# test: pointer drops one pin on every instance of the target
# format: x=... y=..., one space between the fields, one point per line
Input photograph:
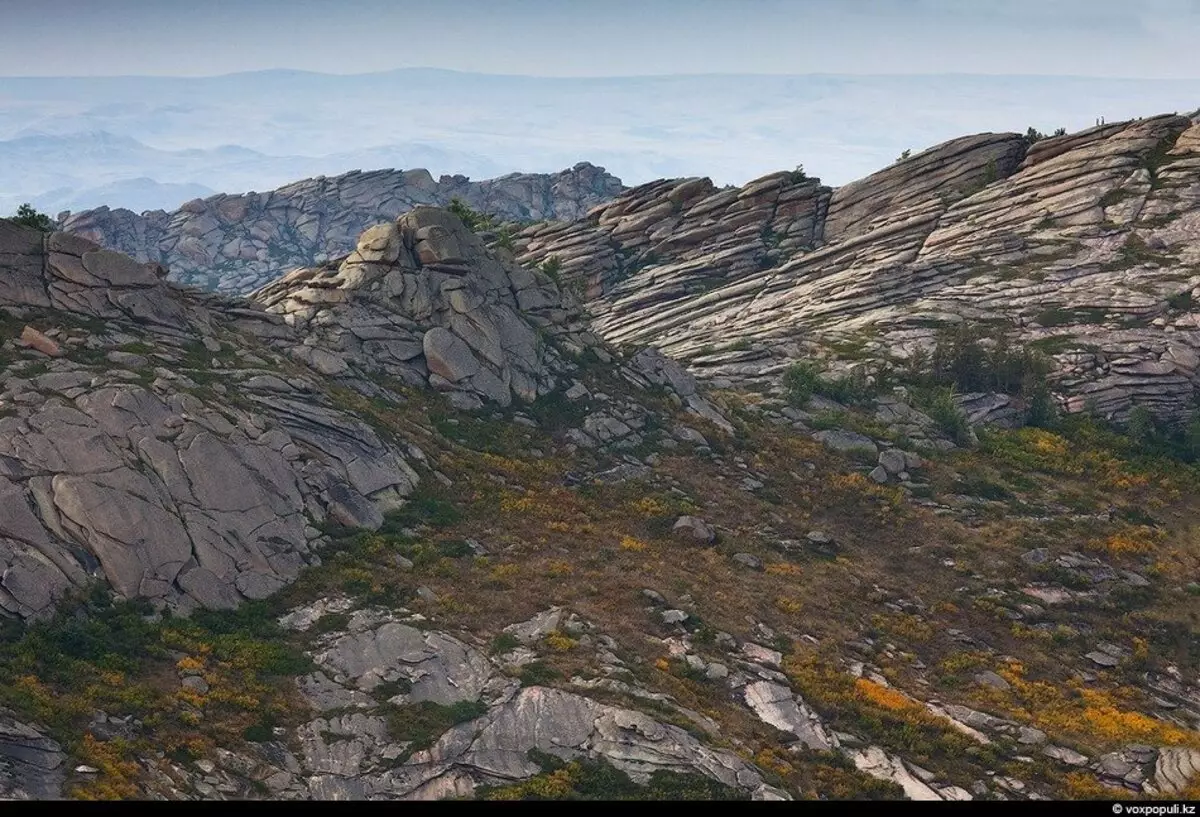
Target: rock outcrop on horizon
x=237 y=242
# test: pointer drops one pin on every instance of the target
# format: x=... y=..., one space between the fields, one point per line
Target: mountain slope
x=435 y=537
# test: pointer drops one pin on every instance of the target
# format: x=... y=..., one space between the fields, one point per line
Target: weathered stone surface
x=538 y=627
x=567 y=725
x=1065 y=755
x=440 y=668
x=1176 y=768
x=448 y=355
x=36 y=340
x=879 y=764
x=168 y=491
x=693 y=529
x=443 y=310
x=847 y=441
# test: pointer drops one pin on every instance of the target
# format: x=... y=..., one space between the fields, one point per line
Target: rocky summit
x=777 y=492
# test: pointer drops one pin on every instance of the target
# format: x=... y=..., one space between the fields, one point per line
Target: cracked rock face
x=235 y=243
x=779 y=706
x=423 y=301
x=32 y=766
x=1087 y=242
x=437 y=667
x=1176 y=768
x=170 y=489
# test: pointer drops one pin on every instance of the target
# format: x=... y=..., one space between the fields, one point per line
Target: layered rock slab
x=168 y=488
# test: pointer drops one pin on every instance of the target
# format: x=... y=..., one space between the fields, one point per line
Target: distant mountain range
x=71 y=143
x=90 y=169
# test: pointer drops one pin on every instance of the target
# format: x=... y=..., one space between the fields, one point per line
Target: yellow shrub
x=784 y=569
x=960 y=662
x=632 y=544
x=507 y=571
x=789 y=605
x=561 y=642
x=517 y=504
x=1102 y=716
x=189 y=664
x=117 y=775
x=553 y=786
x=190 y=696
x=904 y=625
x=768 y=759
x=1085 y=786
x=1048 y=444
x=1133 y=541
x=559 y=567
x=1024 y=631
x=885 y=697
x=649 y=506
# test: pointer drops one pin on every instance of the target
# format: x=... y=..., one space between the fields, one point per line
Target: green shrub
x=804 y=379
x=474 y=219
x=505 y=642
x=26 y=216
x=939 y=404
x=552 y=266
x=538 y=673
x=971 y=360
x=596 y=779
x=800 y=382
x=1140 y=426
x=421 y=724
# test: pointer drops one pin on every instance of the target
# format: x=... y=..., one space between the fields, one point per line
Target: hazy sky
x=1108 y=38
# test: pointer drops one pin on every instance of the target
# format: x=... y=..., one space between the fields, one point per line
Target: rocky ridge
x=234 y=243
x=1085 y=243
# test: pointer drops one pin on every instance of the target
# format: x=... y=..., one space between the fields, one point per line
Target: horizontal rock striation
x=1086 y=243
x=235 y=243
